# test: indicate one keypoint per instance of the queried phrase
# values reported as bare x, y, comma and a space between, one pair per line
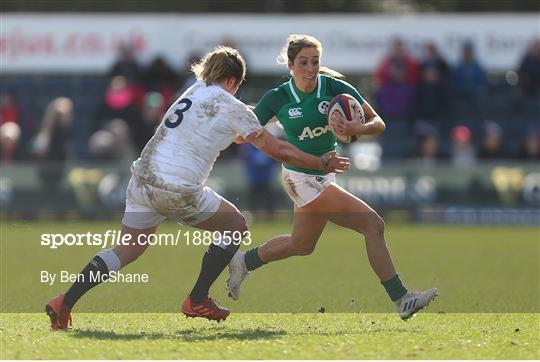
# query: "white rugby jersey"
200, 124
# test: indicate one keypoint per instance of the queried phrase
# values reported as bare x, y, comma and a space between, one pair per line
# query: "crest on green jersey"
323, 107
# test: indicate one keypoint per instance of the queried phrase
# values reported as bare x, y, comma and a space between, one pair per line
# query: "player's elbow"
382, 126
379, 125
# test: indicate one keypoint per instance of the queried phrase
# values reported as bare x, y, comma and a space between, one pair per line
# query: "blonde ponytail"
331, 73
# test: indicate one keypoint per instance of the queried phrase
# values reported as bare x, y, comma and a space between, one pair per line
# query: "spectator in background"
9, 112
529, 79
397, 56
395, 99
491, 146
152, 112
463, 154
469, 83
396, 96
529, 70
530, 149
261, 173
432, 95
10, 130
10, 133
427, 150
119, 103
112, 142
432, 58
160, 77
126, 65
51, 143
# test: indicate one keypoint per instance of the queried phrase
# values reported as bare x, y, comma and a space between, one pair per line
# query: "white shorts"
147, 206
303, 188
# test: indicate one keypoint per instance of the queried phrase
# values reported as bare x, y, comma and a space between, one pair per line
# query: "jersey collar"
297, 92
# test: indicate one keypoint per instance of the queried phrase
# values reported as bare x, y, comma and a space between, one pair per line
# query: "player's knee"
304, 249
243, 225
240, 234
374, 226
240, 224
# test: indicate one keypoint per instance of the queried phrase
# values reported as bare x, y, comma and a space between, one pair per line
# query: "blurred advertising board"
352, 43
393, 186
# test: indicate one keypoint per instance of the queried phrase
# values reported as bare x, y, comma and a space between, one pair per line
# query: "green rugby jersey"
303, 115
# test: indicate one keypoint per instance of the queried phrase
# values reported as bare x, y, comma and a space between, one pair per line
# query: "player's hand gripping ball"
350, 109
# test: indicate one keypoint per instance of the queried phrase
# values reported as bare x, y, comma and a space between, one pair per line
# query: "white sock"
111, 259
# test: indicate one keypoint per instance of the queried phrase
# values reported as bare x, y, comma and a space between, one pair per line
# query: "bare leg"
129, 253
346, 210
308, 227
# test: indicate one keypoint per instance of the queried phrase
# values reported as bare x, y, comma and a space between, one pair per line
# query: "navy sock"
214, 261
93, 274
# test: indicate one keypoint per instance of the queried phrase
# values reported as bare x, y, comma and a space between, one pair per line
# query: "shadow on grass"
240, 335
250, 334
191, 335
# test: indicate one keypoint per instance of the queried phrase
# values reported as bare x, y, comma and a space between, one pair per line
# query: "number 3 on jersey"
176, 118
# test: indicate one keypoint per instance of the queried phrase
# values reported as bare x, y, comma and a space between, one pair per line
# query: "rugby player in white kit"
168, 181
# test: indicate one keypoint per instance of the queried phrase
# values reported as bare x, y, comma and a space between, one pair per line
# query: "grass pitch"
275, 336
487, 308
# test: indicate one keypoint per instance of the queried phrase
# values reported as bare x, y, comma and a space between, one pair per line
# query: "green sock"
252, 259
394, 287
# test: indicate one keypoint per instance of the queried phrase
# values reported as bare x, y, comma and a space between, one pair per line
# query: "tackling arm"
287, 153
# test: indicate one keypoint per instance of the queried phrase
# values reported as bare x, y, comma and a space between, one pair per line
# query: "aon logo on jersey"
312, 133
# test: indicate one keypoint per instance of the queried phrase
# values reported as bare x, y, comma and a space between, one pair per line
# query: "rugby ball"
350, 108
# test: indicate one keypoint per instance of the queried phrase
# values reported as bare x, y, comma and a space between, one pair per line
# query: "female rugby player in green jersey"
300, 105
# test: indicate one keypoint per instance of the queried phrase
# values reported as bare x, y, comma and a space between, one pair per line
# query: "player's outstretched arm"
287, 153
